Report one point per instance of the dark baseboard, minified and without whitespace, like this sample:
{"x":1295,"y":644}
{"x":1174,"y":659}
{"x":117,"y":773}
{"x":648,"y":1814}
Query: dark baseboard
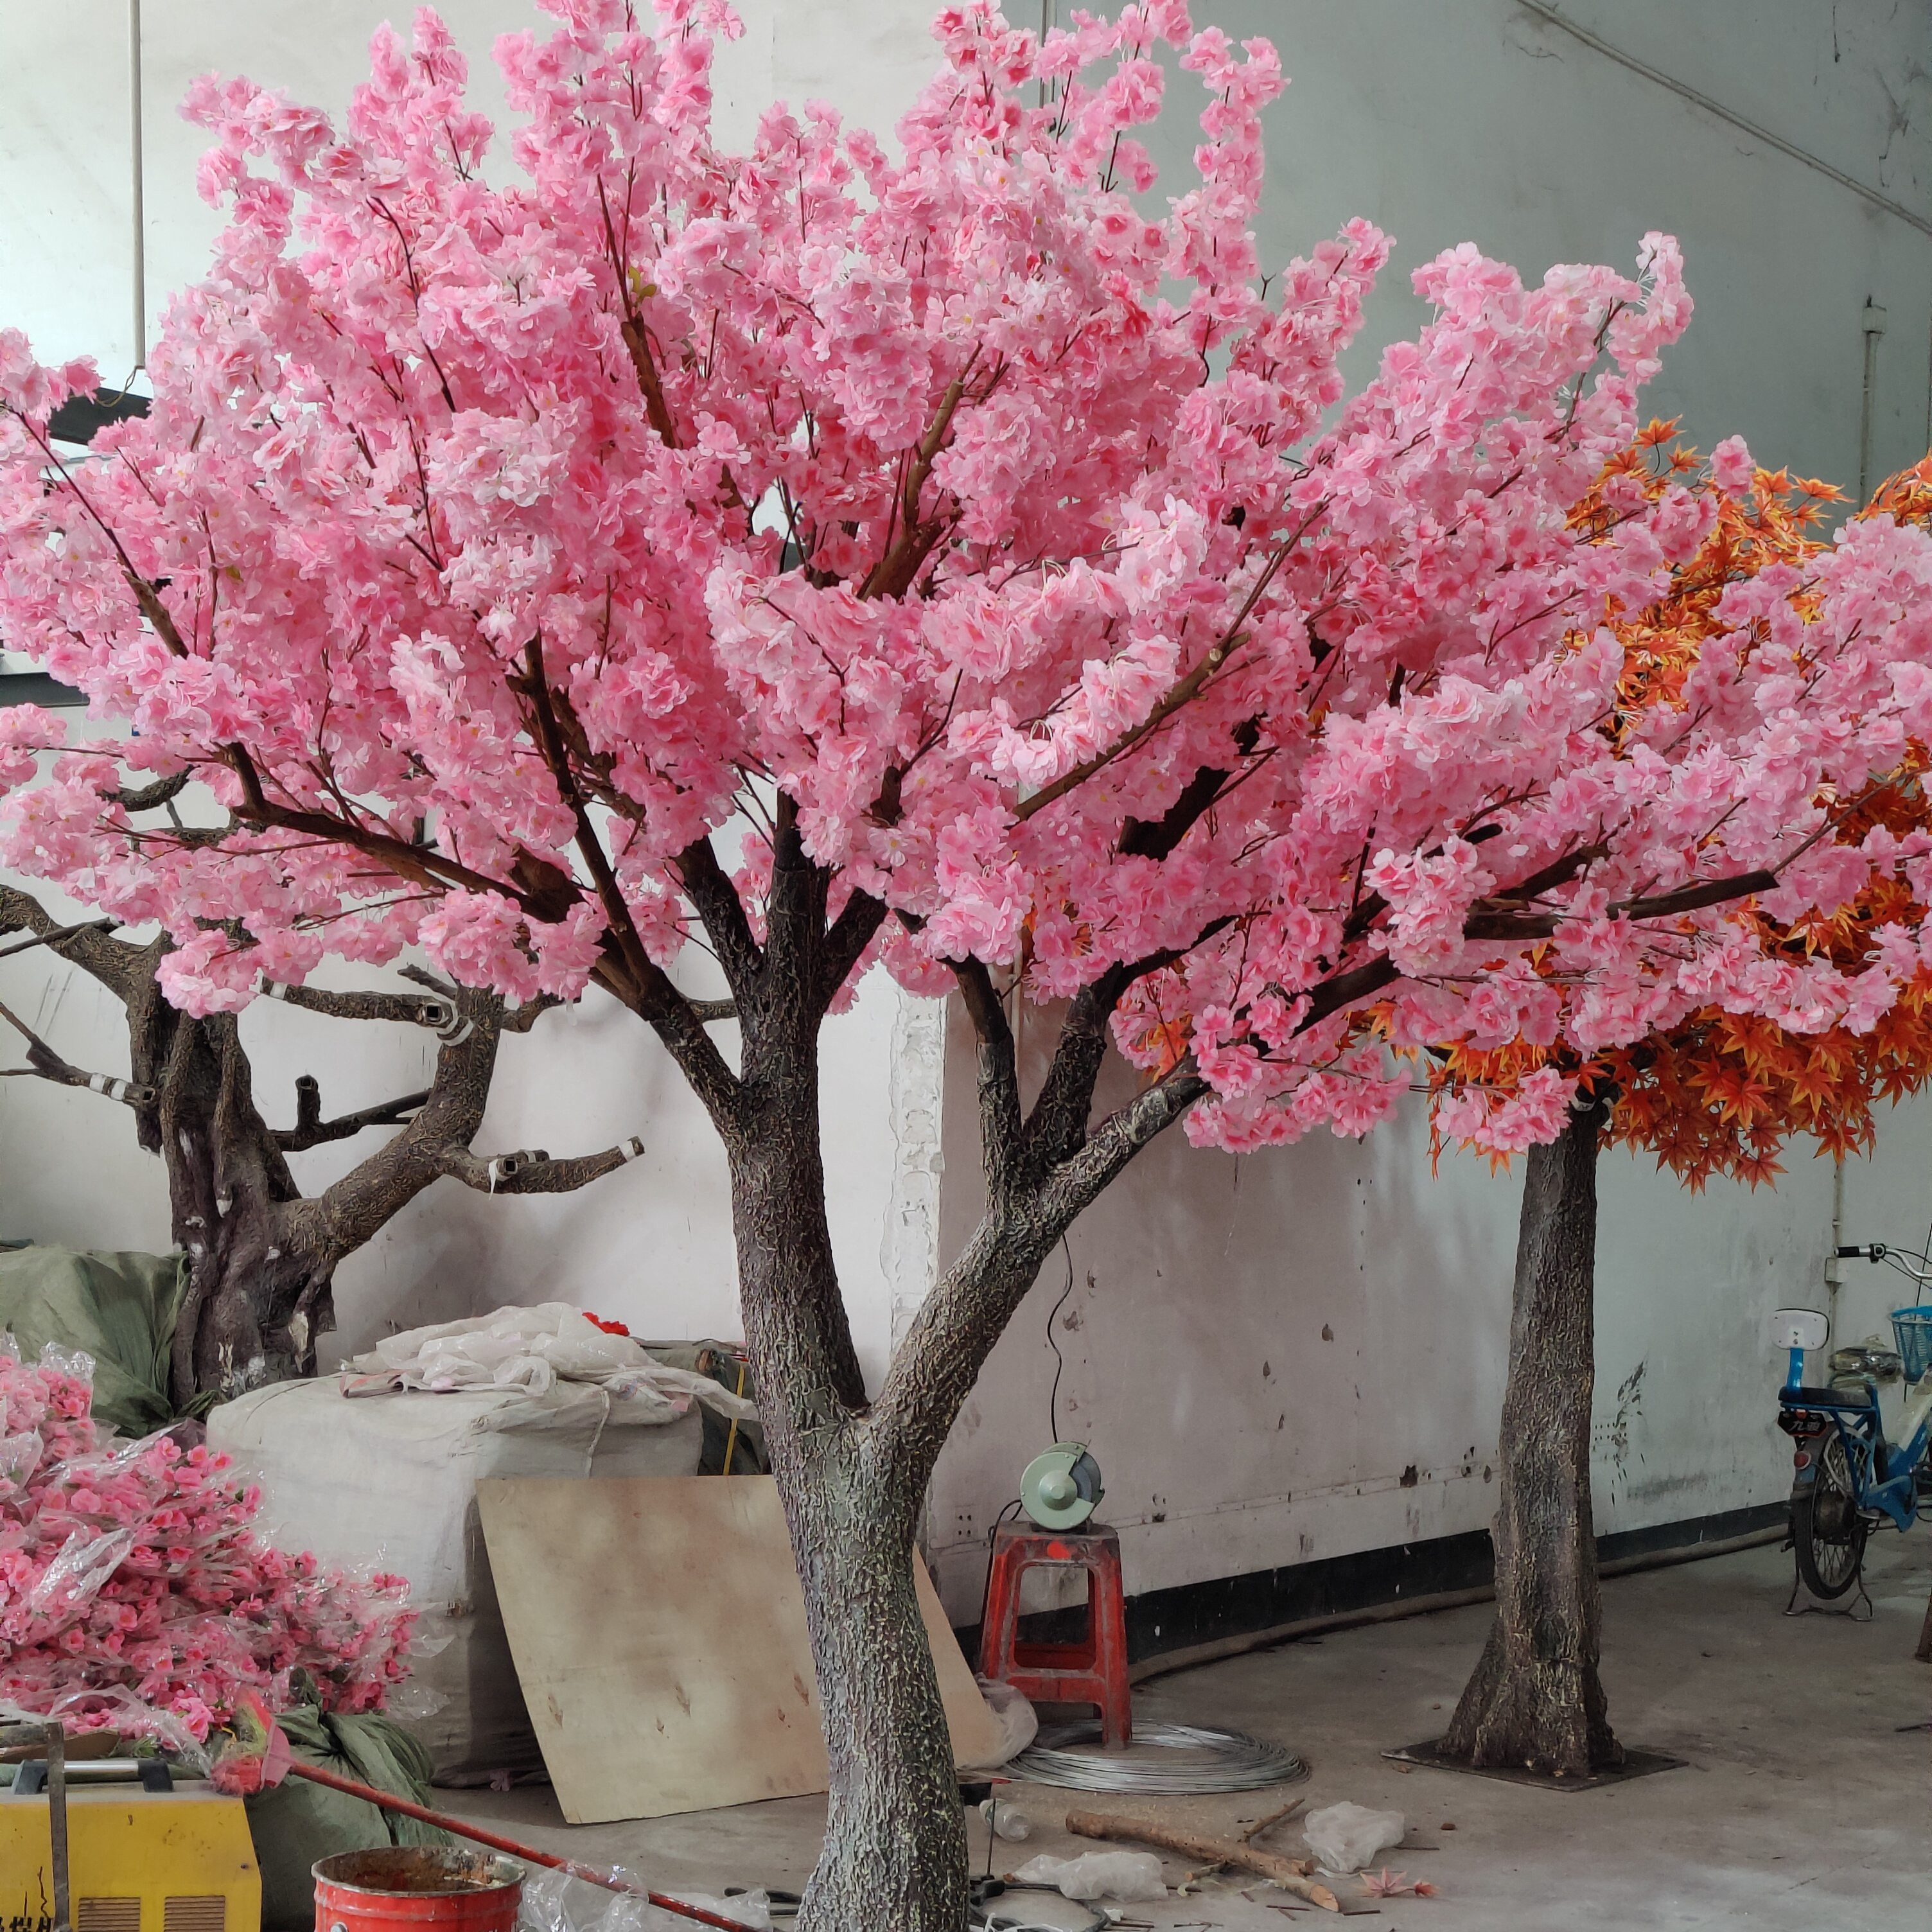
{"x":1192,"y":1615}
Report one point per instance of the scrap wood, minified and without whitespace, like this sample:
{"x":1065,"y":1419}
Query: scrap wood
{"x":1291,"y":1874}
{"x":1249,"y":1833}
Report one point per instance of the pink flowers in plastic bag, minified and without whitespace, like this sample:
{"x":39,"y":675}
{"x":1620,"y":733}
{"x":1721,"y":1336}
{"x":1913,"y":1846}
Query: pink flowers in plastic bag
{"x":132,"y":1570}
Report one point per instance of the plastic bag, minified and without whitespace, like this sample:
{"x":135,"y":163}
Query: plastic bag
{"x":553,"y":1901}
{"x":751,"y":1908}
{"x":73,"y":1578}
{"x":1018,"y":1722}
{"x":1345,"y":1838}
{"x":20,"y":1455}
{"x":1129,"y":1876}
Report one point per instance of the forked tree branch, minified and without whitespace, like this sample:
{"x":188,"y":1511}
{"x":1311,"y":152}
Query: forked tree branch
{"x":653,"y":995}
{"x":45,"y":1064}
{"x":532,"y":1171}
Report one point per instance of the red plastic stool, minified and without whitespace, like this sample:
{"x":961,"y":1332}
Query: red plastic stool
{"x":1094,"y":1672}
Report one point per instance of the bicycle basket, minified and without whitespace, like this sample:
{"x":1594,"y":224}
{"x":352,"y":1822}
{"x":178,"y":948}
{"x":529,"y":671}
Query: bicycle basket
{"x":1913,"y":1328}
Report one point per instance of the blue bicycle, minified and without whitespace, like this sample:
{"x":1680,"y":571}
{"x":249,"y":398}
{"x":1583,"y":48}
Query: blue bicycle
{"x":1862,"y":1439}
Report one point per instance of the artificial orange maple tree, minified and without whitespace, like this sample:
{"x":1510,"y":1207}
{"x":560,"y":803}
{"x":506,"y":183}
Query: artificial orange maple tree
{"x":1721,"y":1092}
{"x":1717,"y":1093}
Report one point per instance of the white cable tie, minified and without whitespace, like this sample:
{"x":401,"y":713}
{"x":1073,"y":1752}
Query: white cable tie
{"x":97,"y":1082}
{"x":458,"y":1030}
{"x":495,"y":1171}
{"x":275,"y":989}
{"x":632,"y":1149}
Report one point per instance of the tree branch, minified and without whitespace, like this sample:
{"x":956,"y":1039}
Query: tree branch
{"x":654,"y":997}
{"x":44,"y":1062}
{"x":1001,"y":1128}
{"x":715,"y":899}
{"x":847,"y":937}
{"x":439,"y":1014}
{"x":149,"y":797}
{"x":532,"y":1171}
{"x":120,"y":965}
{"x":310,"y":1129}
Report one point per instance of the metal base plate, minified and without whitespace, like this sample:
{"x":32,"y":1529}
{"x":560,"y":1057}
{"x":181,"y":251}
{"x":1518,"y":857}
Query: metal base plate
{"x":1636,"y":1764}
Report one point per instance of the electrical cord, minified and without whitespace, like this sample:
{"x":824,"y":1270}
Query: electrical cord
{"x":1059,"y":1359}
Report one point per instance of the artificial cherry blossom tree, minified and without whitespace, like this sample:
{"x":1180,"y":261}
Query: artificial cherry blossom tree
{"x":936,"y":561}
{"x":262,"y":1254}
{"x":1807,"y":1042}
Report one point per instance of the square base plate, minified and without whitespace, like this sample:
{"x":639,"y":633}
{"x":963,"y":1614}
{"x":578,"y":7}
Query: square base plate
{"x":1636,"y":1764}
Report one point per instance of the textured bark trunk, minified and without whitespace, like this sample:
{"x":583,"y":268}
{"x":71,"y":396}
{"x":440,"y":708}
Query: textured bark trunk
{"x":256,"y":1298}
{"x":895,"y":1856}
{"x":1536,"y":1699}
{"x":895,"y":1853}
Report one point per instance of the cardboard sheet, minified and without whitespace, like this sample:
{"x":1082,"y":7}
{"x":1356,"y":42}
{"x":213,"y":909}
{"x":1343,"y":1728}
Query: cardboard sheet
{"x":658,"y":1633}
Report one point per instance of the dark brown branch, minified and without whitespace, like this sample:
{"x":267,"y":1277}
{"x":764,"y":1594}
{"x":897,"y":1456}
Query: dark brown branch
{"x":1183,"y":693}
{"x":715,"y":899}
{"x":55,"y":937}
{"x":894,"y":573}
{"x":44,"y":1062}
{"x":120,"y":965}
{"x":847,"y":937}
{"x":532,"y":1171}
{"x":1001,"y":1127}
{"x":310,"y":1129}
{"x":637,"y":340}
{"x":149,"y":797}
{"x":1693,"y":898}
{"x":439,"y":1014}
{"x":653,"y":996}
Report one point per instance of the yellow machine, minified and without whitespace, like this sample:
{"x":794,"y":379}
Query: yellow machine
{"x":137,"y":1859}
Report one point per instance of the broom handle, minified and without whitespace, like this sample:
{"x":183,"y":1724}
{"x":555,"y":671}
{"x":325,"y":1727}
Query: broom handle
{"x":591,"y":1874}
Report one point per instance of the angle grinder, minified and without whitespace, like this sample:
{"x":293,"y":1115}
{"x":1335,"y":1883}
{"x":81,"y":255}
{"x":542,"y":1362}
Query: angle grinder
{"x":1061,"y":1488}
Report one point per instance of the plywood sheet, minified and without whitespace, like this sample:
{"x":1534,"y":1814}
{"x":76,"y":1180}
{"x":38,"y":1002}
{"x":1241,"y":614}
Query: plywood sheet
{"x":658,"y":1632}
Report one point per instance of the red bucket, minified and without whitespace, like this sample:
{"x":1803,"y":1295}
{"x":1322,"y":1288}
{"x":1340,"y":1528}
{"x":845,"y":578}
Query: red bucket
{"x":416,"y":1889}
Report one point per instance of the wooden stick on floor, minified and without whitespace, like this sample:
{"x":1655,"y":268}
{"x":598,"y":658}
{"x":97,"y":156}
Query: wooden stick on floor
{"x":1291,"y":1874}
{"x":1249,"y":1833}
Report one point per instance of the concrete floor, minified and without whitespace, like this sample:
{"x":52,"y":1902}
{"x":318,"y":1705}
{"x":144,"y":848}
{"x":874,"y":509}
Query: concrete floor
{"x":1804,"y":1805}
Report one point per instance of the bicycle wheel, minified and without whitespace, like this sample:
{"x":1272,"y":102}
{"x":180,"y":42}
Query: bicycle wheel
{"x":1826,"y":1529}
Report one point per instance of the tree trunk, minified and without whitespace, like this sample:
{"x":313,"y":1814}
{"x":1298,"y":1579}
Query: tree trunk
{"x":1536,"y":1700}
{"x":895,"y":1855}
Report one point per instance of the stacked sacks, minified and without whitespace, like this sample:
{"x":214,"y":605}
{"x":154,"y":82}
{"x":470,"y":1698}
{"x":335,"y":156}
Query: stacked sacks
{"x":131,"y":1575}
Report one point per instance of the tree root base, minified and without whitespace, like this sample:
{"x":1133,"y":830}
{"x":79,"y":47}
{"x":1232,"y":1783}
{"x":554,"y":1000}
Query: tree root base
{"x":1636,"y":1764}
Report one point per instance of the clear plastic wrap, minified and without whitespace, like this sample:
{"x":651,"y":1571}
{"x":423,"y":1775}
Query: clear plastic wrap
{"x":1130,"y":1877}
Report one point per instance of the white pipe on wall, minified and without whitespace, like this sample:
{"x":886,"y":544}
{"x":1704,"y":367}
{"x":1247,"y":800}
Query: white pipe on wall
{"x":140,"y":217}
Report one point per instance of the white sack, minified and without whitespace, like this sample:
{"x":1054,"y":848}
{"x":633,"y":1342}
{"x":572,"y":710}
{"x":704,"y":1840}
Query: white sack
{"x":389,"y":1482}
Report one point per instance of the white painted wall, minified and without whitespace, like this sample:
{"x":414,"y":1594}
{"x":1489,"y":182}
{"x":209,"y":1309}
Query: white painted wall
{"x":1235,"y":1437}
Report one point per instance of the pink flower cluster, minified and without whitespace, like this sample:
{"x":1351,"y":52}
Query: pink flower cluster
{"x":131,"y":1578}
{"x":959,"y":497}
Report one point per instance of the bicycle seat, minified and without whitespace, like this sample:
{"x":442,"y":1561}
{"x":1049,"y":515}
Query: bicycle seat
{"x":1858,"y":1395}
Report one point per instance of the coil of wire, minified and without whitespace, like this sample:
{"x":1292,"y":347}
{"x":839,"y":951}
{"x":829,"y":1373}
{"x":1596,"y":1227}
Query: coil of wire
{"x":1173,"y":1758}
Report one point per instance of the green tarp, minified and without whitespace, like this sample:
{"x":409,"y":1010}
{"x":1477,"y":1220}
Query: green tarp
{"x":120,"y":1308}
{"x":298,"y":1823}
